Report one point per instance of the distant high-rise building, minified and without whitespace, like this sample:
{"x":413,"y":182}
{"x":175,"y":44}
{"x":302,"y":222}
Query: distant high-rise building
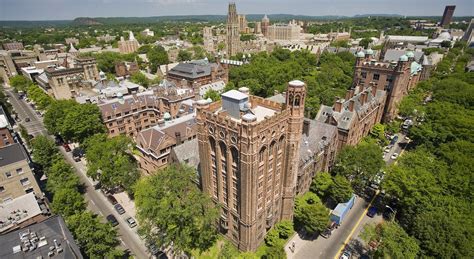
{"x":208,"y":39}
{"x":287,"y":32}
{"x":447,"y":15}
{"x":469,"y":34}
{"x":249,"y":153}
{"x":265,"y":24}
{"x":233,"y":35}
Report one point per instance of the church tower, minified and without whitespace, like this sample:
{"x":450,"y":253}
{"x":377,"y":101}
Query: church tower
{"x":233,"y":35}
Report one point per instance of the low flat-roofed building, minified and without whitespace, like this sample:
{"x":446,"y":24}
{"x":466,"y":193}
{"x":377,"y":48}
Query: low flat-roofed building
{"x":215,"y":86}
{"x":16,"y":177}
{"x":20,"y":212}
{"x":48,"y":239}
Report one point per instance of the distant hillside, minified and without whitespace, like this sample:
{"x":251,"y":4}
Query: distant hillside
{"x":86,"y":21}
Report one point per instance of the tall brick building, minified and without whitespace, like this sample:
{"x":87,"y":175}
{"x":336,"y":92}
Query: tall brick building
{"x":249,"y":152}
{"x":396,"y":77}
{"x":233,"y":28}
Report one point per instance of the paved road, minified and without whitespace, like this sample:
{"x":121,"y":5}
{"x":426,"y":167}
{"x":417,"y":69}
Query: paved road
{"x":346,"y":236}
{"x":95,"y":199}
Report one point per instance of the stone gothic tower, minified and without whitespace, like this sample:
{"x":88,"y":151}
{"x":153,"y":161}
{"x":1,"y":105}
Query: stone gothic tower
{"x":233,"y":35}
{"x":295,"y":99}
{"x":249,"y":153}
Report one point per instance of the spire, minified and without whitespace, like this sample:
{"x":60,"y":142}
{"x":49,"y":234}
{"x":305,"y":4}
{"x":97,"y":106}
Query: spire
{"x":72,"y":49}
{"x":131,"y":37}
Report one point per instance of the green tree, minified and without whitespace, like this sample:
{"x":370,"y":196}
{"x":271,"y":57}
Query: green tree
{"x":61,"y":175}
{"x":446,"y":44}
{"x":184,"y":55}
{"x":365,"y":42}
{"x":140,"y":78}
{"x":213,"y":94}
{"x":96,"y":239}
{"x":44,"y":151}
{"x":360,"y":163}
{"x":67,"y":202}
{"x":24,"y":134}
{"x":321,"y":184}
{"x":4,"y":98}
{"x":56,"y":114}
{"x":341,"y":190}
{"x":82,"y":122}
{"x":111,"y":162}
{"x":274,"y":252}
{"x":228,"y":250}
{"x":157,"y":56}
{"x":310,"y":213}
{"x":41,"y":99}
{"x":171,"y":202}
{"x":392,"y":241}
{"x":20,"y":83}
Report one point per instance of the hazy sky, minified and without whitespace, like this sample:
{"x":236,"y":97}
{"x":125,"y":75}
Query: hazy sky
{"x":69,"y":9}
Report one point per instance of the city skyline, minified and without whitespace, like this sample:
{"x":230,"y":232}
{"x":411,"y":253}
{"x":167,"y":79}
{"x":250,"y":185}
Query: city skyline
{"x":68,"y":9}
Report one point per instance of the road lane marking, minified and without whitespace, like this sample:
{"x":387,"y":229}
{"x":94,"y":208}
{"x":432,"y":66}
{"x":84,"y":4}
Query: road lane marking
{"x":355,"y":227}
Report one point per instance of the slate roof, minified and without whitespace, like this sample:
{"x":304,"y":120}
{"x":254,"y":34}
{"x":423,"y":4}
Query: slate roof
{"x":394,"y":55}
{"x":345,"y":117}
{"x":188,"y":153}
{"x":153,"y":140}
{"x":320,"y":135}
{"x":193,"y":69}
{"x":279,"y":98}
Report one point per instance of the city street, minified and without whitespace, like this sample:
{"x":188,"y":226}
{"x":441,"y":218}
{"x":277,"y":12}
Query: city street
{"x":95,"y":198}
{"x":345,"y":236}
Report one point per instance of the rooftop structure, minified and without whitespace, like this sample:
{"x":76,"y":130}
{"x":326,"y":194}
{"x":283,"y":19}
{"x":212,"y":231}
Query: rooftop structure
{"x":50,"y":238}
{"x":13,"y":213}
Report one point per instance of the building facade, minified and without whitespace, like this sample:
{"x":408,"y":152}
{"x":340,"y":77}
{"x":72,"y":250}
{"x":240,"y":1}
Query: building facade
{"x":13,"y":46}
{"x":128,"y":46}
{"x":284,"y":32}
{"x":133,"y":113}
{"x":396,"y":77}
{"x":65,"y":83}
{"x":16,"y":177}
{"x":355,"y":115}
{"x":233,"y":35}
{"x":249,"y":150}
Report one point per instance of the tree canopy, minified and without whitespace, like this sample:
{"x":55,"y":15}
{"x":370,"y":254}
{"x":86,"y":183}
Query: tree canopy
{"x":111,"y":162}
{"x":310,"y":213}
{"x":392,"y":241}
{"x":170,"y":202}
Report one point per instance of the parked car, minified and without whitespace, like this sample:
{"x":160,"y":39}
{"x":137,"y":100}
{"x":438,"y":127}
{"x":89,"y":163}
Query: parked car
{"x":112,"y":199}
{"x":394,"y":156}
{"x":58,"y":140}
{"x":111,"y":218}
{"x":372,"y":211}
{"x":119,"y":208}
{"x":77,"y":153}
{"x":131,"y":222}
{"x":66,"y":147}
{"x":346,"y":255}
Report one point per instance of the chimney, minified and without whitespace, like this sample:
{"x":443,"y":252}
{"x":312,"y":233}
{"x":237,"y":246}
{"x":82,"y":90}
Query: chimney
{"x":374,"y":90}
{"x":363,"y":98}
{"x":178,"y":137}
{"x":244,"y":90}
{"x":351,"y":105}
{"x":306,"y":127}
{"x":351,"y":93}
{"x":348,"y":94}
{"x":338,"y":106}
